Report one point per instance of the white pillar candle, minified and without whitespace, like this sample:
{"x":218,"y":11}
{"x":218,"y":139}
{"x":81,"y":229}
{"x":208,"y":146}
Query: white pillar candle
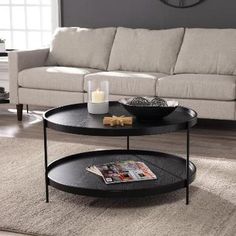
{"x":98,"y":96}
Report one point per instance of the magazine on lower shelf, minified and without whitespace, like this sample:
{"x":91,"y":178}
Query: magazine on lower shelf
{"x":122,"y":171}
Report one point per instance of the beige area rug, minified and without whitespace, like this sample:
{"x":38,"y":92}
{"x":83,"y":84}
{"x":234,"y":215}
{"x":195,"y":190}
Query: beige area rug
{"x":212,"y":210}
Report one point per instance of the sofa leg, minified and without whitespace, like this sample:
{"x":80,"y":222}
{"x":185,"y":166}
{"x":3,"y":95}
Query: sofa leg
{"x":19,"y":108}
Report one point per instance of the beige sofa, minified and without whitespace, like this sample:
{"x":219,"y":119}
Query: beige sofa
{"x":197,"y":67}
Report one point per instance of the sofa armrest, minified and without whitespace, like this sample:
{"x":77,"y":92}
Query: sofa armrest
{"x":20,"y":60}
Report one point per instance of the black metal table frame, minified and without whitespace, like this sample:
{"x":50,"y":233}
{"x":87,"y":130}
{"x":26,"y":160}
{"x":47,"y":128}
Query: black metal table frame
{"x":45,"y":126}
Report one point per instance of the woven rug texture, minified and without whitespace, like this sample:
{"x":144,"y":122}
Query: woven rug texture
{"x":212,"y":210}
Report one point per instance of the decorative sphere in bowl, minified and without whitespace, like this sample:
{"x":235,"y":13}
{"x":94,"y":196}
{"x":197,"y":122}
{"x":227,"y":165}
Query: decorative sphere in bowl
{"x":148,"y":108}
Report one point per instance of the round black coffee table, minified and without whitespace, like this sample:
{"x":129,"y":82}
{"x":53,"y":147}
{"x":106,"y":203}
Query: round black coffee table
{"x":69,"y":173}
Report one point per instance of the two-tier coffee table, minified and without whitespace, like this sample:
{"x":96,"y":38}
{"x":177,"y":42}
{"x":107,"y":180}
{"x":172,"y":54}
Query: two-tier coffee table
{"x":69,"y":173}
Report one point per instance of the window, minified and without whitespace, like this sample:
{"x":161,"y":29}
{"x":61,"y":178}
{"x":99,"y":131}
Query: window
{"x":27,"y":24}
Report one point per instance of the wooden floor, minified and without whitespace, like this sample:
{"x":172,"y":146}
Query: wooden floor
{"x":209,"y":138}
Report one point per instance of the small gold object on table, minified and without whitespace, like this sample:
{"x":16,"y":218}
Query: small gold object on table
{"x":118,"y":120}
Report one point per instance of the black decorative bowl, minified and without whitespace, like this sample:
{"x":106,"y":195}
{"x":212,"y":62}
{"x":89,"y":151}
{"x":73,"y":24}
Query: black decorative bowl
{"x":147,"y":110}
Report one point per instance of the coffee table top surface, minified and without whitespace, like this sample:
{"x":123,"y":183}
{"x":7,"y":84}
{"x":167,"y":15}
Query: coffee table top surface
{"x":76,"y":119}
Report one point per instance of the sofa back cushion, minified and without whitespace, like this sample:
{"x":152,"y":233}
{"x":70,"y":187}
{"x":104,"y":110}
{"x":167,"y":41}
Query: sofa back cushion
{"x":82,"y":47}
{"x":208,"y":51}
{"x":144,"y":50}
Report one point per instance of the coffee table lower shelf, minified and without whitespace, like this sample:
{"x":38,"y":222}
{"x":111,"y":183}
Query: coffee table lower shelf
{"x":69,"y":174}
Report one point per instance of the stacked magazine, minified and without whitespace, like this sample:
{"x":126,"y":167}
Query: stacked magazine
{"x":3,"y":94}
{"x":122,"y":171}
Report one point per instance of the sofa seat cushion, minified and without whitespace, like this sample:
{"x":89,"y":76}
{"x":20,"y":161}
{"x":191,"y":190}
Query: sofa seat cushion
{"x":144,"y":50}
{"x":194,"y":86}
{"x":82,"y":47}
{"x":208,"y":51}
{"x":126,"y":82}
{"x":54,"y":78}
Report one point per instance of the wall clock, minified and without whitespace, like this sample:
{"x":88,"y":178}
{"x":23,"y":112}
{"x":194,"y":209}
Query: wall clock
{"x":181,"y":3}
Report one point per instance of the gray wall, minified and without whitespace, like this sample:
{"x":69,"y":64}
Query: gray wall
{"x":147,"y":13}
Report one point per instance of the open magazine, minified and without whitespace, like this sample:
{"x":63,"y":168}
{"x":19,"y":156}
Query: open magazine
{"x":122,"y":171}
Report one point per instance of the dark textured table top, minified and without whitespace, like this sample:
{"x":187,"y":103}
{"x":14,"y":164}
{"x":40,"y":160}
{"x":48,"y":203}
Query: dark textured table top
{"x":70,"y":174}
{"x":76,"y":119}
{"x":4,"y":101}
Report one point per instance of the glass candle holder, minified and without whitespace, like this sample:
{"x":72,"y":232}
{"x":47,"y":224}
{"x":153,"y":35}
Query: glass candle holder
{"x":98,"y":97}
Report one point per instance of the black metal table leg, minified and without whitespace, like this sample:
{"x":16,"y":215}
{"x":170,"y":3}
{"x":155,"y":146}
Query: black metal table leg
{"x":45,"y":159}
{"x":187,"y":167}
{"x":127,"y":142}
